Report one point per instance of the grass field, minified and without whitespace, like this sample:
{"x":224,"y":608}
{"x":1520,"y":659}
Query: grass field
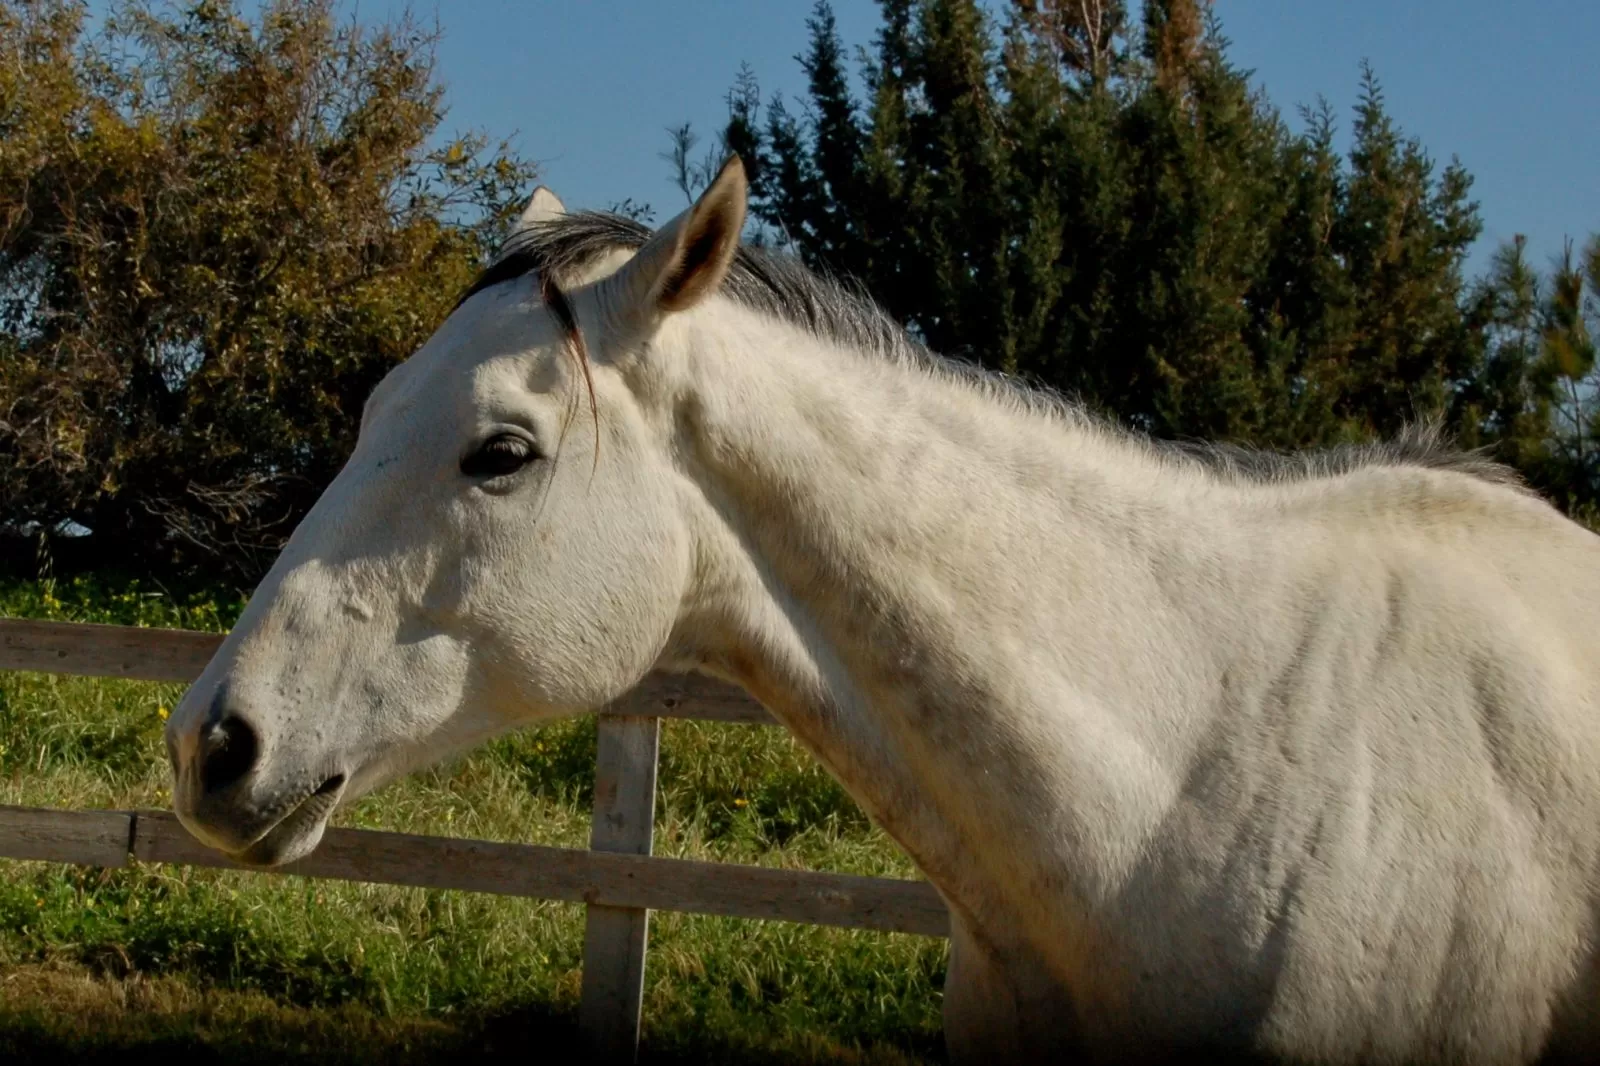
{"x":223,"y":966}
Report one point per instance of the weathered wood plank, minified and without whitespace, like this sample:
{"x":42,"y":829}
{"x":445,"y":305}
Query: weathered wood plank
{"x":603,"y":878}
{"x":139,"y":654}
{"x":699,"y":698}
{"x":616,"y":938}
{"x":86,"y":838}
{"x":95,"y":650}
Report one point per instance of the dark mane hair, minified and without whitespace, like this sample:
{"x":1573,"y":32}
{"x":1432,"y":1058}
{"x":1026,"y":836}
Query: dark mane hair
{"x":780,"y":285}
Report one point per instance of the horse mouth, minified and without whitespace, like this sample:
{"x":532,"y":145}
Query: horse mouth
{"x":298,"y":832}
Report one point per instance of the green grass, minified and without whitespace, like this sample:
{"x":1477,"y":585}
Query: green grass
{"x":255,"y":967}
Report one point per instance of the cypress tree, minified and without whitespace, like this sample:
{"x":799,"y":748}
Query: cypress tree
{"x":1402,"y":237}
{"x":1103,"y":205}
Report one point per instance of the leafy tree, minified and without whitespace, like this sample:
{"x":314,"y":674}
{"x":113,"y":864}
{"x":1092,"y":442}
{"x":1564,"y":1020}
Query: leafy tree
{"x":216,"y":233}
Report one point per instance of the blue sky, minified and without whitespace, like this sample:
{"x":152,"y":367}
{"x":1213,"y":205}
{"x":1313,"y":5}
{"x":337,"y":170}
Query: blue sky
{"x":589,"y":86}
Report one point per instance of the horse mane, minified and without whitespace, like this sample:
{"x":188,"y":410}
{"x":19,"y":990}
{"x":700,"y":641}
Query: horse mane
{"x":834,"y":309}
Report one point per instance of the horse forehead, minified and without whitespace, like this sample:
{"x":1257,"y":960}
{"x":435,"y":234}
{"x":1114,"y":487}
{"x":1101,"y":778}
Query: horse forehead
{"x":501,"y":348}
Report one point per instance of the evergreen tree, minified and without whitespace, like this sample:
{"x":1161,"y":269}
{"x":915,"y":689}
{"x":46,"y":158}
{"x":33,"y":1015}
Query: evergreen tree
{"x":836,"y":227}
{"x":1568,"y":348}
{"x":1305,"y":306}
{"x":1099,"y":202}
{"x":1532,"y":393}
{"x":1085,"y":37}
{"x":1508,"y":398}
{"x":1200,"y":199}
{"x":1402,"y":237}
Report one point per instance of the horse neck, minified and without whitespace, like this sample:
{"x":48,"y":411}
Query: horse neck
{"x":939,"y":595}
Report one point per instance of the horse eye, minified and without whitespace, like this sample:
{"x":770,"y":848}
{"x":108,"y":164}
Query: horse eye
{"x":498,"y":456}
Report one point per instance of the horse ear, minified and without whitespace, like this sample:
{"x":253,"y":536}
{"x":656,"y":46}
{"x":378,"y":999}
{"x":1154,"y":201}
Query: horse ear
{"x":543,"y":206}
{"x":687,"y":259}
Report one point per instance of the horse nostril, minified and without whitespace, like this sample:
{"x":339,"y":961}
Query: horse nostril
{"x":227,"y":753}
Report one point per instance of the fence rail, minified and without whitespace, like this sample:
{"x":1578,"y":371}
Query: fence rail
{"x":617,"y":879}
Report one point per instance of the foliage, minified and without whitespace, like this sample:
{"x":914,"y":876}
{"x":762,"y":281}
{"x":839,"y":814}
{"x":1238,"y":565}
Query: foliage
{"x":1090,"y":195}
{"x":216,"y":234}
{"x":1533,"y":389}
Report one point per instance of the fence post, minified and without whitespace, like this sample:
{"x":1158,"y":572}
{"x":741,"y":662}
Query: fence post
{"x":615,"y":938}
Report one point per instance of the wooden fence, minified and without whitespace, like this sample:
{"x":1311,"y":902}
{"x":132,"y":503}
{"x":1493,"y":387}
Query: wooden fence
{"x":617,"y":879}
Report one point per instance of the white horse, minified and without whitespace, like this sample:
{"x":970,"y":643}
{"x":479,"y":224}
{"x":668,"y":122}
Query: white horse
{"x":1298,"y":758}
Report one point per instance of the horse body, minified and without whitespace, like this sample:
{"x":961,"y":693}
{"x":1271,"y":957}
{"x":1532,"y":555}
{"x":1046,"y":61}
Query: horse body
{"x":1304,"y":765}
{"x":1307,"y":767}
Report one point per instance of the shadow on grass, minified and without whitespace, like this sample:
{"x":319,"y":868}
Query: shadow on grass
{"x":53,"y":1013}
{"x":335,"y":1038}
{"x":525,"y":1037}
